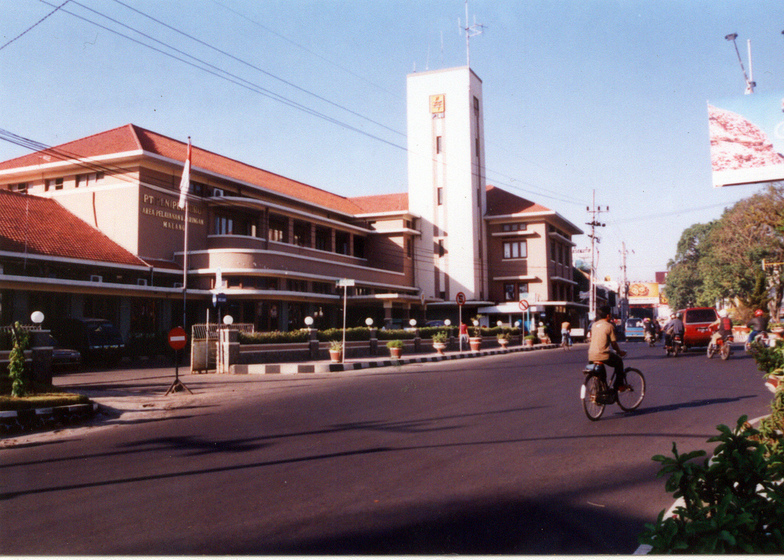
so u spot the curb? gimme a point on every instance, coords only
(326, 367)
(45, 418)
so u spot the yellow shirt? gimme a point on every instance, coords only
(602, 335)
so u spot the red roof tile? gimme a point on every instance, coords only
(131, 137)
(501, 203)
(397, 202)
(40, 226)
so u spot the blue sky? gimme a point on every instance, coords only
(579, 96)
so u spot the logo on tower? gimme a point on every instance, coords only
(437, 103)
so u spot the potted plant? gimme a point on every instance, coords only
(335, 350)
(439, 342)
(395, 348)
(530, 339)
(475, 341)
(503, 339)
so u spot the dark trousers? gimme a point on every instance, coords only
(616, 362)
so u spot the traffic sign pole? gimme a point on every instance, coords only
(460, 299)
(178, 338)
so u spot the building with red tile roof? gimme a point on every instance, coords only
(92, 227)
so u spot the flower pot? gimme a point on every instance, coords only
(529, 342)
(334, 355)
(475, 342)
(503, 342)
(439, 347)
(395, 353)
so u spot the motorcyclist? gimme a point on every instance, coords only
(649, 327)
(759, 324)
(674, 327)
(722, 326)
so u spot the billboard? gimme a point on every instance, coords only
(643, 293)
(747, 139)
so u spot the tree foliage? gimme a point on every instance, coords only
(723, 259)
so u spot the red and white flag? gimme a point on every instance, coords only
(185, 183)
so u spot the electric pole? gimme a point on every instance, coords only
(594, 211)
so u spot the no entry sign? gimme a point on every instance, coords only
(177, 338)
(524, 305)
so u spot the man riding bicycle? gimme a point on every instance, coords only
(602, 340)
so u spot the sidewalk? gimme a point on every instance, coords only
(376, 361)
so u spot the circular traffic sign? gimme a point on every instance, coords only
(177, 338)
(461, 299)
(524, 305)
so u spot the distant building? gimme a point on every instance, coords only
(92, 228)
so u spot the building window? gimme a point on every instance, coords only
(359, 247)
(341, 242)
(19, 187)
(476, 146)
(476, 105)
(440, 196)
(278, 228)
(323, 239)
(514, 227)
(439, 145)
(301, 234)
(54, 184)
(515, 291)
(441, 250)
(223, 225)
(515, 249)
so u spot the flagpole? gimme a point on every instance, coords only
(185, 183)
(185, 268)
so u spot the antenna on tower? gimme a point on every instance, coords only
(750, 83)
(470, 31)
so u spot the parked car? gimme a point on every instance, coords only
(98, 340)
(434, 324)
(64, 358)
(634, 329)
(695, 323)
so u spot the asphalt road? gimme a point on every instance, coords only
(487, 455)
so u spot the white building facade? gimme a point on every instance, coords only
(446, 182)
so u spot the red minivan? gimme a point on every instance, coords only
(695, 323)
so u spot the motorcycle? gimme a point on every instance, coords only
(722, 346)
(651, 338)
(760, 339)
(675, 347)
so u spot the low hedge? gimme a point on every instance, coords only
(362, 333)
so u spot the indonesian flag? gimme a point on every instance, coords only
(185, 183)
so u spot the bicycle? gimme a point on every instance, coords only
(596, 395)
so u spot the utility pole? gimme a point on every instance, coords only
(594, 223)
(624, 283)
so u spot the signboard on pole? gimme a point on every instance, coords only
(177, 338)
(460, 299)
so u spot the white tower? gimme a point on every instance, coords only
(446, 181)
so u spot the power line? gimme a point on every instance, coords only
(34, 25)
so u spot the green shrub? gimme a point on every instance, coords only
(732, 503)
(16, 366)
(274, 337)
(395, 344)
(354, 333)
(392, 334)
(440, 337)
(769, 360)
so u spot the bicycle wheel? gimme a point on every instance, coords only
(588, 393)
(631, 399)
